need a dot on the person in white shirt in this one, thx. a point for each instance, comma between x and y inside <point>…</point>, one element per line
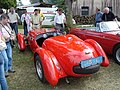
<point>13,20</point>
<point>25,19</point>
<point>59,20</point>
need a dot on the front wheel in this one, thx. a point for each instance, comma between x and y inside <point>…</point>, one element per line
<point>39,69</point>
<point>116,54</point>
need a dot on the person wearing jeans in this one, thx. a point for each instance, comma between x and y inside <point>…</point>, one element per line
<point>13,20</point>
<point>5,62</point>
<point>7,54</point>
<point>7,34</point>
<point>14,27</point>
<point>3,81</point>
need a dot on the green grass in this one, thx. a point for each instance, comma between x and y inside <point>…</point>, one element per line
<point>20,26</point>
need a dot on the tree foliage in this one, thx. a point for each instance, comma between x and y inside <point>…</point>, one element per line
<point>7,3</point>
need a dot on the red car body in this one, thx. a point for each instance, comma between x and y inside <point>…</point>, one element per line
<point>57,56</point>
<point>109,40</point>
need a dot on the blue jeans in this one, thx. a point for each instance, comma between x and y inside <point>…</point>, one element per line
<point>7,54</point>
<point>3,81</point>
<point>14,27</point>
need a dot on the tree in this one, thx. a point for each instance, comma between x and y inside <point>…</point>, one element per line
<point>68,4</point>
<point>6,4</point>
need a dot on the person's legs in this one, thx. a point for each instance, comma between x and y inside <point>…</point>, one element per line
<point>15,27</point>
<point>62,28</point>
<point>0,87</point>
<point>25,30</point>
<point>3,81</point>
<point>9,55</point>
<point>59,27</point>
<point>5,60</point>
<point>12,26</point>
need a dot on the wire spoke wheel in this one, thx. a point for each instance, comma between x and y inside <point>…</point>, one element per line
<point>39,69</point>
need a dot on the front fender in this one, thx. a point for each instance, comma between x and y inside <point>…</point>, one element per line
<point>52,69</point>
<point>99,50</point>
<point>21,42</point>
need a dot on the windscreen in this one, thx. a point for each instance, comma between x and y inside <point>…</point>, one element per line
<point>110,26</point>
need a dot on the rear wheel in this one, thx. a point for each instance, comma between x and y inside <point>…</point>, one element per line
<point>39,69</point>
<point>116,54</point>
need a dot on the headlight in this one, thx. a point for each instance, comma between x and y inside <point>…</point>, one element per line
<point>44,35</point>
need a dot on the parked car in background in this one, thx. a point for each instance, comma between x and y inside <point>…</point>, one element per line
<point>48,12</point>
<point>107,34</point>
<point>57,55</point>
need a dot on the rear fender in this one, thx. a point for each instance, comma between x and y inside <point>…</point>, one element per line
<point>99,50</point>
<point>21,42</point>
<point>52,69</point>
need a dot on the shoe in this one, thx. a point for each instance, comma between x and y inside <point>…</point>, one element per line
<point>6,74</point>
<point>11,71</point>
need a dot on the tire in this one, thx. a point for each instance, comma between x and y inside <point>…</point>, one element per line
<point>39,69</point>
<point>116,54</point>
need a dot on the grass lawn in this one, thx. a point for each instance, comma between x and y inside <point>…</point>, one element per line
<point>20,26</point>
<point>25,77</point>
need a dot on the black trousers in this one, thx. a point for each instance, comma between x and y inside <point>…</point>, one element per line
<point>60,27</point>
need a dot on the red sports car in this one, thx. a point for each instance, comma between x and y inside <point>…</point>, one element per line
<point>57,55</point>
<point>107,34</point>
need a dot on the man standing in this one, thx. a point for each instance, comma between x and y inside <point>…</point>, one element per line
<point>36,19</point>
<point>42,16</point>
<point>98,17</point>
<point>13,17</point>
<point>108,15</point>
<point>25,19</point>
<point>59,20</point>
